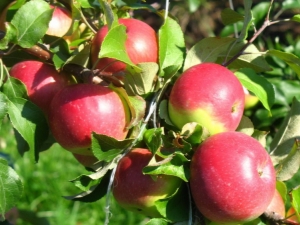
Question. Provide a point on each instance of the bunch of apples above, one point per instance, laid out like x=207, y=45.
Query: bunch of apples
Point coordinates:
x=232, y=178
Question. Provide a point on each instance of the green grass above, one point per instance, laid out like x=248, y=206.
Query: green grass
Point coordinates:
x=45, y=184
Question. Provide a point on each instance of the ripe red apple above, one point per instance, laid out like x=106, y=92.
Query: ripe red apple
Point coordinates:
x=232, y=178
x=85, y=160
x=60, y=22
x=42, y=81
x=138, y=192
x=208, y=94
x=79, y=109
x=277, y=206
x=141, y=46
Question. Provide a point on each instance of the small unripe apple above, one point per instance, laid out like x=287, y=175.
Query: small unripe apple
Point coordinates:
x=208, y=94
x=141, y=46
x=42, y=81
x=78, y=110
x=60, y=22
x=138, y=192
x=250, y=100
x=232, y=178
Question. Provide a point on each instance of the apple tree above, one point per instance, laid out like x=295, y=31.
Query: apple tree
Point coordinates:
x=200, y=134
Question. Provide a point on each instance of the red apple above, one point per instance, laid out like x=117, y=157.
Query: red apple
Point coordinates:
x=85, y=160
x=42, y=81
x=208, y=94
x=277, y=206
x=138, y=192
x=232, y=178
x=60, y=22
x=141, y=46
x=78, y=110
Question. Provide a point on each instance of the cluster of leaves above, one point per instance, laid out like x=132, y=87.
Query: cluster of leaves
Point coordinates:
x=145, y=94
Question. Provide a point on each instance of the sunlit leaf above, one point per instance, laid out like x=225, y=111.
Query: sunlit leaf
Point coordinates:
x=152, y=138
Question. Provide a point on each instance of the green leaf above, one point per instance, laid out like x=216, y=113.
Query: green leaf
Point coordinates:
x=106, y=148
x=207, y=50
x=248, y=19
x=246, y=126
x=113, y=46
x=289, y=166
x=143, y=82
x=194, y=133
x=152, y=138
x=295, y=194
x=10, y=36
x=175, y=165
x=258, y=85
x=260, y=136
x=14, y=88
x=109, y=14
x=194, y=5
x=163, y=112
x=85, y=182
x=11, y=187
x=292, y=60
x=31, y=21
x=175, y=207
x=230, y=16
x=30, y=122
x=171, y=48
x=282, y=189
x=284, y=139
x=157, y=221
x=3, y=107
x=290, y=4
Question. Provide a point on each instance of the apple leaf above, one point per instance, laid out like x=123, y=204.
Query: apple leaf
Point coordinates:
x=153, y=140
x=171, y=48
x=175, y=165
x=282, y=189
x=157, y=221
x=141, y=83
x=80, y=56
x=95, y=193
x=175, y=207
x=207, y=50
x=106, y=148
x=136, y=106
x=3, y=107
x=30, y=122
x=10, y=36
x=260, y=136
x=14, y=88
x=11, y=187
x=289, y=166
x=248, y=19
x=163, y=112
x=296, y=18
x=113, y=46
x=288, y=132
x=292, y=60
x=295, y=195
x=246, y=126
x=194, y=133
x=31, y=22
x=258, y=85
x=230, y=16
x=85, y=182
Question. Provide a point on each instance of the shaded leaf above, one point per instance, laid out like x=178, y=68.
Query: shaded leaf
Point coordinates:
x=284, y=139
x=163, y=112
x=11, y=187
x=14, y=88
x=153, y=140
x=248, y=19
x=194, y=133
x=260, y=136
x=258, y=85
x=31, y=22
x=289, y=166
x=230, y=16
x=3, y=107
x=171, y=48
x=246, y=126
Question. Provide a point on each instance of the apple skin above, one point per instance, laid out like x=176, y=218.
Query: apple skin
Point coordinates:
x=42, y=81
x=137, y=192
x=232, y=178
x=60, y=22
x=78, y=110
x=141, y=46
x=85, y=160
x=208, y=94
x=250, y=100
x=276, y=206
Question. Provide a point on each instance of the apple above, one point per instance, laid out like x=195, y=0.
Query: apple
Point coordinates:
x=60, y=22
x=208, y=94
x=141, y=46
x=250, y=99
x=277, y=206
x=138, y=192
x=42, y=81
x=232, y=178
x=85, y=160
x=78, y=110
